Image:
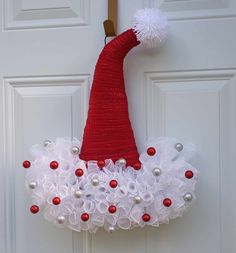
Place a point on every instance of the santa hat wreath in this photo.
(104, 182)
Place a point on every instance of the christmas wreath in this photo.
(103, 181)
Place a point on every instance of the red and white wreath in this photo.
(104, 182)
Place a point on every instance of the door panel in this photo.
(36, 108)
(186, 89)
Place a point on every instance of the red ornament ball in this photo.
(56, 201)
(84, 216)
(79, 172)
(167, 202)
(146, 217)
(54, 165)
(34, 209)
(188, 174)
(101, 164)
(26, 164)
(137, 166)
(151, 151)
(112, 209)
(113, 183)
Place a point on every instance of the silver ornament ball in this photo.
(122, 162)
(78, 194)
(74, 150)
(47, 143)
(137, 199)
(179, 147)
(111, 229)
(95, 182)
(61, 219)
(188, 197)
(156, 171)
(32, 185)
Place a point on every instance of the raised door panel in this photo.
(196, 9)
(198, 106)
(37, 108)
(23, 14)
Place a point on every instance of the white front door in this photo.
(187, 89)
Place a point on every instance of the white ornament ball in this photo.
(95, 182)
(61, 219)
(111, 229)
(156, 172)
(179, 147)
(137, 199)
(78, 194)
(32, 185)
(74, 150)
(122, 162)
(188, 197)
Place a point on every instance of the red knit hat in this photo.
(108, 133)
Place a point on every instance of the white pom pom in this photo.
(150, 26)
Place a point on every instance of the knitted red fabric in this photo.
(108, 133)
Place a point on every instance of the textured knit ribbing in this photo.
(108, 133)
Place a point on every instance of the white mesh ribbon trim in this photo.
(95, 199)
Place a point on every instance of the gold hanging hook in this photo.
(110, 25)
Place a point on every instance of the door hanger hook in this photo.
(110, 25)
